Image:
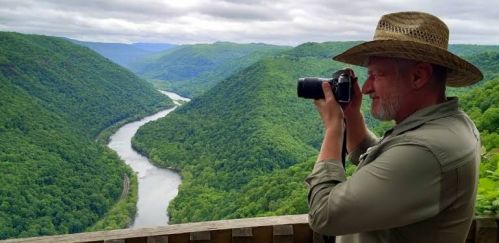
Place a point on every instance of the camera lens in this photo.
(310, 88)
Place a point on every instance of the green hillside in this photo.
(245, 146)
(471, 50)
(55, 98)
(77, 84)
(192, 69)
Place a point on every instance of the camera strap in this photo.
(344, 146)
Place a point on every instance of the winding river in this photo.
(157, 186)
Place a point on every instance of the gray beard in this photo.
(388, 108)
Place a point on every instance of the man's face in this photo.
(386, 87)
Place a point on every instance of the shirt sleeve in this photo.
(400, 187)
(369, 141)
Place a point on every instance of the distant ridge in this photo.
(192, 69)
(124, 54)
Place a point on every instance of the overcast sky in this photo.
(288, 22)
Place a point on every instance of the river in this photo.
(157, 186)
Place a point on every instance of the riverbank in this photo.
(156, 186)
(123, 212)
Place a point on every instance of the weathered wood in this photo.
(115, 241)
(169, 229)
(242, 232)
(242, 235)
(199, 237)
(302, 233)
(136, 240)
(157, 239)
(262, 234)
(291, 228)
(178, 238)
(282, 234)
(221, 236)
(486, 230)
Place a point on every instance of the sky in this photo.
(282, 22)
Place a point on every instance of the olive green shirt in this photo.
(417, 184)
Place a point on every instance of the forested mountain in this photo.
(245, 146)
(193, 69)
(55, 98)
(471, 50)
(124, 54)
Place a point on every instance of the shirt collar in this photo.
(447, 108)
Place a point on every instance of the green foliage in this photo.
(77, 84)
(488, 187)
(482, 104)
(466, 50)
(121, 214)
(488, 62)
(55, 97)
(192, 69)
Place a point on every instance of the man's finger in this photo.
(328, 93)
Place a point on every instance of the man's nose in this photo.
(367, 87)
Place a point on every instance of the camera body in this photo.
(341, 85)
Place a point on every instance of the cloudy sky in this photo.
(288, 22)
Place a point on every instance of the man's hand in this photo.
(332, 117)
(329, 109)
(352, 109)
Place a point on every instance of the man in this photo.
(418, 183)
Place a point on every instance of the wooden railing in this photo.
(282, 229)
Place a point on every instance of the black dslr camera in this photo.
(341, 84)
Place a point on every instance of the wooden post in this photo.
(302, 233)
(242, 235)
(283, 234)
(157, 239)
(486, 230)
(200, 237)
(221, 236)
(178, 238)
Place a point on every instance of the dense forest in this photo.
(55, 98)
(245, 146)
(192, 69)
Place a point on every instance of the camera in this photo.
(341, 85)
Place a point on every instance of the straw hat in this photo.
(415, 36)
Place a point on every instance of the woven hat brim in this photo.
(460, 72)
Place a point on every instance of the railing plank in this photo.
(486, 230)
(302, 233)
(282, 234)
(157, 239)
(280, 229)
(221, 236)
(178, 238)
(242, 235)
(262, 234)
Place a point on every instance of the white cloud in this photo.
(197, 21)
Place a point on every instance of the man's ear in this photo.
(422, 75)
